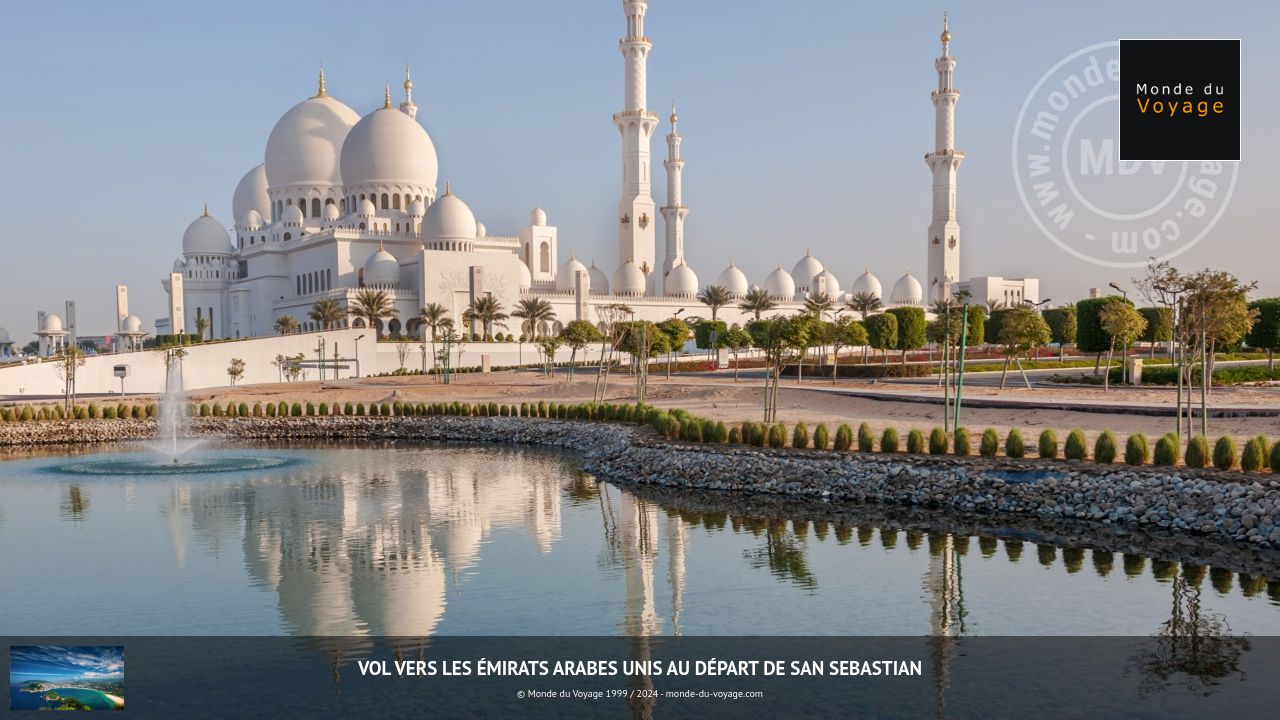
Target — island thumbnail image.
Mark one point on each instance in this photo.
(49, 677)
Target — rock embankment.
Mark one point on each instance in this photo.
(1226, 507)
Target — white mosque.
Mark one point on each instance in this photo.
(343, 202)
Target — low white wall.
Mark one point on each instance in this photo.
(204, 367)
(500, 355)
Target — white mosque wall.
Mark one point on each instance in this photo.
(500, 355)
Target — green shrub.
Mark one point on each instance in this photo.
(1047, 447)
(1014, 446)
(821, 437)
(257, 409)
(735, 435)
(493, 409)
(204, 410)
(915, 442)
(322, 409)
(889, 440)
(1274, 459)
(1197, 452)
(844, 437)
(866, 439)
(153, 410)
(108, 413)
(800, 436)
(989, 445)
(693, 432)
(1224, 453)
(282, 409)
(721, 433)
(1167, 450)
(348, 408)
(938, 441)
(778, 436)
(1265, 444)
(296, 409)
(360, 408)
(1104, 449)
(311, 409)
(542, 409)
(1136, 450)
(231, 410)
(123, 411)
(271, 409)
(1076, 448)
(386, 409)
(757, 435)
(961, 444)
(1254, 457)
(244, 409)
(219, 410)
(94, 411)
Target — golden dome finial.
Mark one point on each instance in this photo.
(946, 32)
(206, 210)
(408, 81)
(674, 118)
(448, 187)
(320, 91)
(386, 96)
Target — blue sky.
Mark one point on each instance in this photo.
(804, 126)
(54, 663)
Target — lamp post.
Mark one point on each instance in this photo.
(358, 339)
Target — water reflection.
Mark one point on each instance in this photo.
(76, 505)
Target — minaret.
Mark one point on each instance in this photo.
(407, 107)
(944, 161)
(636, 221)
(674, 212)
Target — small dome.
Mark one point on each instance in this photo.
(538, 217)
(387, 147)
(305, 144)
(833, 285)
(907, 291)
(206, 236)
(367, 208)
(780, 285)
(331, 212)
(682, 282)
(805, 270)
(599, 281)
(52, 324)
(251, 220)
(526, 277)
(133, 324)
(381, 269)
(568, 274)
(292, 215)
(251, 194)
(417, 208)
(868, 283)
(628, 280)
(449, 218)
(733, 280)
(481, 230)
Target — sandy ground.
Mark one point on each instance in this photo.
(812, 401)
(119, 701)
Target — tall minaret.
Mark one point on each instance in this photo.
(636, 209)
(674, 212)
(944, 161)
(407, 107)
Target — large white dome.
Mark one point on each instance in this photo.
(779, 285)
(568, 274)
(305, 145)
(389, 148)
(526, 277)
(805, 270)
(833, 284)
(733, 280)
(251, 194)
(599, 281)
(628, 280)
(4, 335)
(907, 291)
(868, 283)
(682, 282)
(381, 269)
(206, 236)
(449, 218)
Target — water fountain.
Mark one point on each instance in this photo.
(172, 431)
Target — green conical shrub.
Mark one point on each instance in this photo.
(1197, 452)
(778, 436)
(889, 440)
(348, 408)
(271, 409)
(821, 437)
(1136, 450)
(989, 445)
(243, 409)
(800, 436)
(866, 439)
(735, 435)
(1254, 457)
(1224, 453)
(282, 409)
(844, 437)
(961, 444)
(386, 409)
(1047, 446)
(1273, 460)
(1014, 446)
(1265, 444)
(722, 432)
(915, 442)
(232, 411)
(1104, 449)
(694, 432)
(204, 410)
(938, 441)
(1166, 452)
(108, 413)
(94, 411)
(296, 409)
(1076, 447)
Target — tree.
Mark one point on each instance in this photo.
(818, 305)
(402, 352)
(1216, 314)
(1123, 323)
(677, 332)
(995, 322)
(487, 311)
(864, 302)
(374, 306)
(577, 335)
(912, 329)
(757, 302)
(1090, 337)
(1022, 332)
(611, 317)
(736, 340)
(1265, 333)
(432, 316)
(845, 332)
(714, 297)
(532, 312)
(977, 332)
(235, 370)
(779, 338)
(286, 325)
(1062, 326)
(706, 333)
(202, 326)
(1159, 326)
(548, 347)
(69, 362)
(326, 313)
(882, 332)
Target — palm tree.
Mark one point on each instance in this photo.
(373, 306)
(533, 312)
(864, 303)
(757, 302)
(202, 327)
(488, 312)
(286, 324)
(993, 304)
(432, 317)
(818, 305)
(714, 297)
(326, 312)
